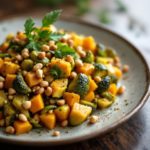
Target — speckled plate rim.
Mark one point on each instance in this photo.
(105, 129)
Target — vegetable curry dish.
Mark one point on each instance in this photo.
(51, 77)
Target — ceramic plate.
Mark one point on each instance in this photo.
(136, 82)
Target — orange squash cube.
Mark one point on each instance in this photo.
(1, 63)
(49, 120)
(89, 43)
(89, 96)
(9, 80)
(71, 98)
(37, 103)
(113, 89)
(92, 85)
(9, 68)
(118, 72)
(22, 127)
(86, 69)
(62, 112)
(31, 79)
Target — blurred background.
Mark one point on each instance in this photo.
(129, 18)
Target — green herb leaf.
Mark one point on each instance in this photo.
(56, 36)
(55, 72)
(32, 45)
(29, 26)
(50, 18)
(44, 34)
(64, 50)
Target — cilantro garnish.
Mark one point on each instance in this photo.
(50, 18)
(29, 27)
(64, 50)
(56, 72)
(36, 36)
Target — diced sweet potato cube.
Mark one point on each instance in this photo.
(89, 96)
(49, 120)
(1, 63)
(62, 112)
(9, 68)
(118, 72)
(71, 98)
(37, 103)
(113, 88)
(86, 69)
(92, 85)
(89, 43)
(22, 127)
(9, 80)
(31, 79)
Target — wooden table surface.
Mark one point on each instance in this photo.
(132, 135)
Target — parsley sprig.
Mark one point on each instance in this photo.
(36, 37)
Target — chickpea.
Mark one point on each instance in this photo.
(56, 133)
(10, 130)
(93, 119)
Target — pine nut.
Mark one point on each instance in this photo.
(44, 84)
(78, 63)
(69, 58)
(70, 42)
(10, 97)
(41, 55)
(64, 123)
(51, 43)
(25, 50)
(40, 91)
(61, 102)
(26, 104)
(48, 91)
(48, 55)
(1, 85)
(121, 90)
(53, 47)
(24, 72)
(39, 73)
(50, 111)
(10, 130)
(81, 52)
(38, 66)
(93, 119)
(19, 57)
(22, 117)
(25, 55)
(45, 47)
(97, 79)
(73, 75)
(56, 133)
(11, 91)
